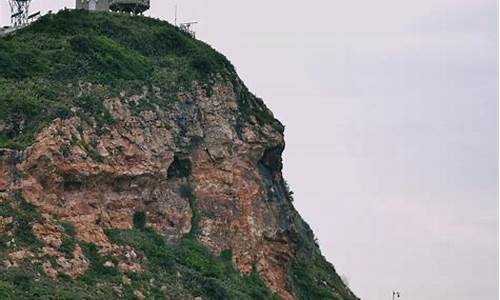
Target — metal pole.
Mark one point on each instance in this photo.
(175, 21)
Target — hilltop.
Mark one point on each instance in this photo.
(135, 164)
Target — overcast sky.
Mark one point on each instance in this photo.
(391, 114)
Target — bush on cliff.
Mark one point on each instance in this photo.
(43, 66)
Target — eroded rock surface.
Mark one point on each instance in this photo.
(150, 161)
(147, 169)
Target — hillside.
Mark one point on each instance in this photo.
(135, 164)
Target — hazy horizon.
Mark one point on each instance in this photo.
(391, 114)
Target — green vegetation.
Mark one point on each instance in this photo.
(189, 267)
(315, 278)
(180, 168)
(65, 150)
(184, 268)
(68, 246)
(69, 229)
(45, 68)
(29, 282)
(23, 214)
(105, 48)
(98, 272)
(139, 219)
(89, 149)
(66, 65)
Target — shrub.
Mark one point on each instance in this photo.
(69, 229)
(67, 246)
(43, 63)
(139, 220)
(313, 278)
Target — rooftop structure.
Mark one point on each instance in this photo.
(126, 6)
(94, 5)
(186, 27)
(129, 6)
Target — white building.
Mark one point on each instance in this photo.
(126, 6)
(98, 5)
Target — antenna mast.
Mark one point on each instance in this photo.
(185, 26)
(175, 18)
(19, 12)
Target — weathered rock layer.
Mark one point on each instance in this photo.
(202, 163)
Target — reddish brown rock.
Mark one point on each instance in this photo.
(97, 179)
(15, 258)
(75, 266)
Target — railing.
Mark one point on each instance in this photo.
(130, 2)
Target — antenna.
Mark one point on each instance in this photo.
(186, 26)
(19, 12)
(175, 19)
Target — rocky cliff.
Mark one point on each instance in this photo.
(136, 164)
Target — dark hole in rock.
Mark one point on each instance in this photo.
(272, 158)
(139, 219)
(180, 168)
(72, 184)
(120, 184)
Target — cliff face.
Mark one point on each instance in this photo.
(193, 162)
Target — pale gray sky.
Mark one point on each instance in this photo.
(391, 114)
